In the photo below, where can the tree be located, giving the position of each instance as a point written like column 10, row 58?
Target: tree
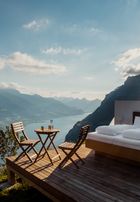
column 8, row 145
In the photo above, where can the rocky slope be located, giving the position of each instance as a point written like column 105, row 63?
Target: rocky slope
column 104, row 114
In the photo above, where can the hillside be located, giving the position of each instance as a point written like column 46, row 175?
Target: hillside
column 83, row 104
column 104, row 114
column 17, row 106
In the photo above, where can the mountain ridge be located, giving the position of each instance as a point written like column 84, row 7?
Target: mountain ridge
column 19, row 106
column 83, row 104
column 104, row 114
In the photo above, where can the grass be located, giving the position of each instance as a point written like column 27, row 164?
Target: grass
column 3, row 174
column 20, row 192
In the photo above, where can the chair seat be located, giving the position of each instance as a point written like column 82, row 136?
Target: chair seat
column 73, row 147
column 29, row 142
column 67, row 145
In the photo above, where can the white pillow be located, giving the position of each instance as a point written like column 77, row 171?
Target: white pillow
column 132, row 134
column 137, row 121
column 112, row 129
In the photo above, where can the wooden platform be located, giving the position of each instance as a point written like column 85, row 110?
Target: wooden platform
column 100, row 179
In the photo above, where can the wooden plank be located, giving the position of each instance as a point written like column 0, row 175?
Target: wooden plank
column 100, row 179
column 36, row 182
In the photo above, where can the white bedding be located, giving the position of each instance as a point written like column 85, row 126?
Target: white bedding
column 126, row 142
column 100, row 137
column 116, row 140
column 112, row 130
column 132, row 134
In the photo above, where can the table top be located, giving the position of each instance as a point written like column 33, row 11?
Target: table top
column 46, row 130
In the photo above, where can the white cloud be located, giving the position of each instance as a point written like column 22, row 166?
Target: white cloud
column 132, row 2
column 47, row 93
column 36, row 25
column 13, row 85
column 90, row 95
column 26, row 63
column 94, row 30
column 87, row 29
column 89, row 78
column 64, row 51
column 129, row 62
column 2, row 63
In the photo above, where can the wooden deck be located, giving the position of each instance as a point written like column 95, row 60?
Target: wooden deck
column 100, row 179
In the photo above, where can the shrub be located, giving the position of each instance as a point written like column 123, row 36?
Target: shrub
column 8, row 145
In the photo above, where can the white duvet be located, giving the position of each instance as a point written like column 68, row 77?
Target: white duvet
column 113, row 130
column 132, row 133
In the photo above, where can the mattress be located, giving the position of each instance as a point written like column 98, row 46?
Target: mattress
column 100, row 137
column 126, row 142
column 115, row 140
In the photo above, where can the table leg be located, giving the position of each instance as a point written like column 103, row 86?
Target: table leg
column 43, row 147
column 51, row 138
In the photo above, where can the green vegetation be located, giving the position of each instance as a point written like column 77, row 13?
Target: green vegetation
column 20, row 192
column 8, row 145
column 3, row 174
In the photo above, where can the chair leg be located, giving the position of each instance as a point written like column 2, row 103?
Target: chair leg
column 68, row 157
column 25, row 152
column 22, row 153
column 79, row 158
column 32, row 148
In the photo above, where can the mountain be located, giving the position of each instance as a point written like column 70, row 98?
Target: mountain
column 104, row 114
column 83, row 104
column 17, row 106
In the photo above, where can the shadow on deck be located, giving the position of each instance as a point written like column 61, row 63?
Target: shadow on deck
column 100, row 179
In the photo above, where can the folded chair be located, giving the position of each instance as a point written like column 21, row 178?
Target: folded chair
column 24, row 142
column 70, row 148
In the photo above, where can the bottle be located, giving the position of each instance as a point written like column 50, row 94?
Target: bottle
column 51, row 123
column 50, row 126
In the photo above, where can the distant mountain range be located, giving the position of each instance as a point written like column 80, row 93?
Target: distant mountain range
column 104, row 114
column 31, row 108
column 83, row 104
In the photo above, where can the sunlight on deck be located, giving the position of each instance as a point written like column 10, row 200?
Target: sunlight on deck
column 99, row 179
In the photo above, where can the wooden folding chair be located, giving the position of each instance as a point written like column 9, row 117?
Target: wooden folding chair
column 70, row 148
column 24, row 142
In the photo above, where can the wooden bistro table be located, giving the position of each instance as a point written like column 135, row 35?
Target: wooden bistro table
column 50, row 136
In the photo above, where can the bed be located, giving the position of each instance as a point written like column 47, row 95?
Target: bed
column 118, row 140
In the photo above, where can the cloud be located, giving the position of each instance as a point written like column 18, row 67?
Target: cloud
column 13, row 85
column 47, row 93
column 132, row 2
column 90, row 95
column 87, row 29
column 26, row 63
column 64, row 51
column 89, row 78
column 36, row 25
column 20, row 88
column 129, row 62
column 2, row 63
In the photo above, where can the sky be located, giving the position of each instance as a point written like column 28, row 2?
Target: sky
column 68, row 48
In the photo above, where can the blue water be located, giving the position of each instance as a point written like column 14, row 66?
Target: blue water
column 63, row 123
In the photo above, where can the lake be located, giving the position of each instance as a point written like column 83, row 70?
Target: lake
column 63, row 123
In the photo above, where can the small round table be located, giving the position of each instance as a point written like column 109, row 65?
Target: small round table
column 51, row 133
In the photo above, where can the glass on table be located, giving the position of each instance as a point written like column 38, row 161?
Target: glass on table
column 42, row 127
column 50, row 126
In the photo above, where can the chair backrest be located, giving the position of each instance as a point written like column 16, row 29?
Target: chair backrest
column 18, row 131
column 82, row 135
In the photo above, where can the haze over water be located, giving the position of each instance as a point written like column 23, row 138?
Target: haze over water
column 63, row 123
